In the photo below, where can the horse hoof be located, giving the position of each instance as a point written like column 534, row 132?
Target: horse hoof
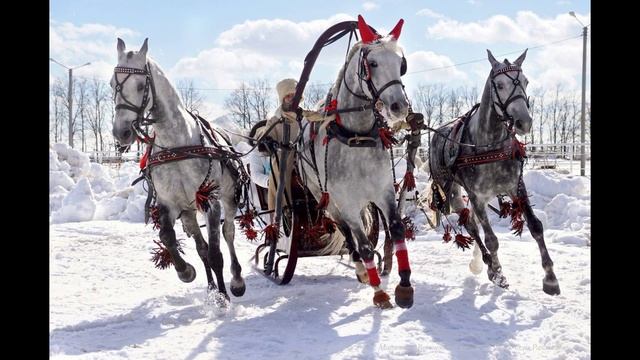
column 550, row 286
column 476, row 267
column 238, row 288
column 381, row 300
column 188, row 274
column 363, row 278
column 499, row 279
column 404, row 296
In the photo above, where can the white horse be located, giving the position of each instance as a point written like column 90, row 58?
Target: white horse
column 353, row 158
column 189, row 166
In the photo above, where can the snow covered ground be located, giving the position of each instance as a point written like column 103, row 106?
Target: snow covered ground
column 108, row 301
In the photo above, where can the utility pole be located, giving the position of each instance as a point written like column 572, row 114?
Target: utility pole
column 584, row 86
column 70, row 96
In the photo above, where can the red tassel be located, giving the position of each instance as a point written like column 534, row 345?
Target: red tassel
column 313, row 135
column 250, row 233
column 409, row 181
column 409, row 229
column 271, row 233
column 161, row 255
column 154, row 211
column 387, row 138
column 324, row 201
column 204, row 193
column 517, row 209
column 145, row 157
column 326, row 139
column 519, row 149
column 463, row 216
column 463, row 242
column 447, row 233
column 505, row 209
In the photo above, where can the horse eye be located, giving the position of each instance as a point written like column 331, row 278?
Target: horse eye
column 140, row 87
column 500, row 86
column 373, row 64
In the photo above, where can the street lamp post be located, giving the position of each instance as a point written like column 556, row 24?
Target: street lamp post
column 584, row 86
column 70, row 96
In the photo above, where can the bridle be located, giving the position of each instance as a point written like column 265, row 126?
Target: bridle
column 141, row 119
column 504, row 115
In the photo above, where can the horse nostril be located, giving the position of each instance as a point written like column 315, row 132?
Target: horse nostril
column 519, row 124
column 395, row 106
column 126, row 134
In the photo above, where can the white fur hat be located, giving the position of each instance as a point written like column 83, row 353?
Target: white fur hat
column 285, row 87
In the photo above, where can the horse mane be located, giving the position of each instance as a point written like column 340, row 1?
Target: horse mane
column 384, row 43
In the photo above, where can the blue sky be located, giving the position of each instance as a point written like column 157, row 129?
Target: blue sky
column 218, row 44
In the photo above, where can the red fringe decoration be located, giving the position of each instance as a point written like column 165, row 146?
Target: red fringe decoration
column 326, row 139
column 447, row 233
column 161, row 255
column 154, row 211
column 463, row 242
column 271, row 233
column 409, row 229
column 505, row 209
column 313, row 135
column 143, row 159
column 324, row 201
column 387, row 138
column 204, row 193
column 333, row 105
column 517, row 209
column 463, row 216
column 519, row 149
column 409, row 181
column 246, row 224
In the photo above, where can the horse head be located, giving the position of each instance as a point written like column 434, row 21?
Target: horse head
column 375, row 74
column 133, row 92
column 508, row 93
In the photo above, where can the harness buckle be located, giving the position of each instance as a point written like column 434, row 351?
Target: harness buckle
column 361, row 141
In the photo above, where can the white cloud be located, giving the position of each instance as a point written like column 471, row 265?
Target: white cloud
column 430, row 13
column 527, row 28
column 96, row 43
column 425, row 60
column 224, row 68
column 369, row 5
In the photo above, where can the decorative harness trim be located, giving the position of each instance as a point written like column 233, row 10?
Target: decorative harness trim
column 514, row 151
column 186, row 152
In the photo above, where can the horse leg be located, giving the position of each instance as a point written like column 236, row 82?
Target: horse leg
column 457, row 204
column 380, row 297
column 361, row 272
column 550, row 283
column 404, row 290
column 215, row 256
column 191, row 227
column 228, row 230
column 491, row 240
column 186, row 272
column 480, row 253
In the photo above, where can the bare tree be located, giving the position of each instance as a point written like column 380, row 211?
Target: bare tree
column 454, row 103
column 469, row 96
column 260, row 99
column 441, row 100
column 192, row 98
column 81, row 89
column 238, row 104
column 313, row 93
column 424, row 101
column 99, row 97
column 58, row 94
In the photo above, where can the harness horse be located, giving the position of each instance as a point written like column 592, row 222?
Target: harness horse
column 189, row 166
column 345, row 164
column 480, row 152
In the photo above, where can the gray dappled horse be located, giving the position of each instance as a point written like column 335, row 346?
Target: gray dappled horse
column 140, row 87
column 492, row 166
column 358, row 176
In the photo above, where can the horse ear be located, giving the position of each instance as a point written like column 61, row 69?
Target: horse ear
column 395, row 33
column 492, row 60
column 365, row 32
column 143, row 49
column 521, row 58
column 121, row 46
